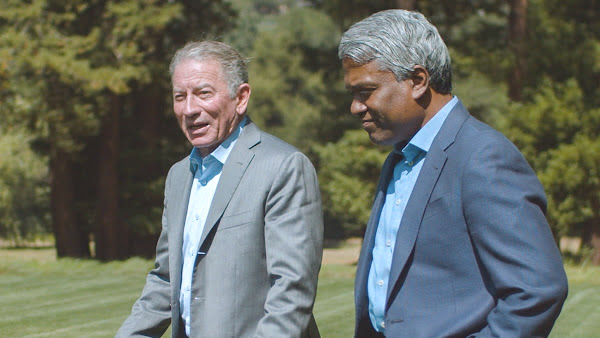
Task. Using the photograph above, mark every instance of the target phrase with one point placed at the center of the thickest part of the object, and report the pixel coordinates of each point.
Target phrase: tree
(559, 136)
(517, 43)
(347, 12)
(24, 210)
(406, 4)
(296, 79)
(31, 43)
(73, 67)
(568, 38)
(572, 181)
(348, 176)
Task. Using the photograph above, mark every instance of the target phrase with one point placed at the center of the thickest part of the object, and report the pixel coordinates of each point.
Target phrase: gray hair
(399, 40)
(234, 66)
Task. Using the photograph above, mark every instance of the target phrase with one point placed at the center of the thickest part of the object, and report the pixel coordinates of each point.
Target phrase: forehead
(356, 74)
(190, 71)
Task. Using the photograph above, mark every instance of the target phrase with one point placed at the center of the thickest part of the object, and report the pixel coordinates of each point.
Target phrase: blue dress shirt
(207, 172)
(399, 189)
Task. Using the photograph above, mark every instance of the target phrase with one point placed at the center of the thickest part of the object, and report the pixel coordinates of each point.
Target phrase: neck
(432, 102)
(439, 101)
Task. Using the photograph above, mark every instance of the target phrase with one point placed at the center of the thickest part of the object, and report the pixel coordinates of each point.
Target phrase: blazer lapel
(411, 220)
(366, 254)
(233, 171)
(430, 172)
(179, 199)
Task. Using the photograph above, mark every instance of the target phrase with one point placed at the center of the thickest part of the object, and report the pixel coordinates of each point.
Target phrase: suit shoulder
(479, 142)
(474, 125)
(274, 144)
(479, 134)
(271, 153)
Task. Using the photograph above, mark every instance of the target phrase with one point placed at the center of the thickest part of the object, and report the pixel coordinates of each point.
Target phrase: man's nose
(192, 107)
(357, 107)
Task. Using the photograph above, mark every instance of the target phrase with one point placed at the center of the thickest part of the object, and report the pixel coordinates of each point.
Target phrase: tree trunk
(591, 238)
(70, 240)
(595, 243)
(517, 38)
(149, 107)
(110, 236)
(406, 4)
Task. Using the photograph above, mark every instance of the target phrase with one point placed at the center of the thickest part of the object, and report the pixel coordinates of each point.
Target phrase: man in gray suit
(242, 229)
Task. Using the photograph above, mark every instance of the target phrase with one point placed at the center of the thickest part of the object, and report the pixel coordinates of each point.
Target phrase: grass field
(43, 297)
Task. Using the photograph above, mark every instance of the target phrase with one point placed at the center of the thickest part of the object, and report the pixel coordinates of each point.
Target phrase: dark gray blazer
(259, 255)
(474, 254)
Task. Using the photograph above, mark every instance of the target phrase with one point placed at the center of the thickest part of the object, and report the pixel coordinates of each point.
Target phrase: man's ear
(420, 80)
(242, 98)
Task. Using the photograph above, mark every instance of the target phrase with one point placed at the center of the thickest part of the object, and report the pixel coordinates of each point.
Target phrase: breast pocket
(438, 206)
(236, 220)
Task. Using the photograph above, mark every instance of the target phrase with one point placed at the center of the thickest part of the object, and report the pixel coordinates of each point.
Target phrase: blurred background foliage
(87, 133)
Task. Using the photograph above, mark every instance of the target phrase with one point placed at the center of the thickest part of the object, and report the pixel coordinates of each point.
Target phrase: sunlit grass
(45, 297)
(580, 316)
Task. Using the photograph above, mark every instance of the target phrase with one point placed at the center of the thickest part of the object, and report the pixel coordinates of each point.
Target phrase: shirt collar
(221, 153)
(424, 137)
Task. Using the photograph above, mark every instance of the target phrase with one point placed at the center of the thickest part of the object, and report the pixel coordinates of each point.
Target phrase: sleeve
(151, 313)
(294, 248)
(504, 207)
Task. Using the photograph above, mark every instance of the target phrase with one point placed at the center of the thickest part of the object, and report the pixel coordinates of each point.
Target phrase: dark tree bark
(595, 241)
(406, 4)
(517, 38)
(70, 240)
(110, 235)
(149, 105)
(591, 237)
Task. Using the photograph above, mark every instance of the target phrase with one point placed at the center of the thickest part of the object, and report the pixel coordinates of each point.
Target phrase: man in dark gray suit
(457, 244)
(242, 230)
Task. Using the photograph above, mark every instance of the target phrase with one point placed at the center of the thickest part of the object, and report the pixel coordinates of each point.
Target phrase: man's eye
(179, 97)
(363, 93)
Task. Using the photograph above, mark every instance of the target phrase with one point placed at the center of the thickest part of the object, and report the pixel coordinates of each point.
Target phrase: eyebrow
(200, 86)
(361, 85)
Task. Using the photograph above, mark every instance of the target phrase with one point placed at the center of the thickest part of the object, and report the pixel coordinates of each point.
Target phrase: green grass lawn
(42, 297)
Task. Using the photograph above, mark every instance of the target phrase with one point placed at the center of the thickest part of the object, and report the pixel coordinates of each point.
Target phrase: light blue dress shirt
(207, 172)
(399, 190)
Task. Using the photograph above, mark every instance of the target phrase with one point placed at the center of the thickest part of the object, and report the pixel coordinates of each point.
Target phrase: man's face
(204, 109)
(387, 108)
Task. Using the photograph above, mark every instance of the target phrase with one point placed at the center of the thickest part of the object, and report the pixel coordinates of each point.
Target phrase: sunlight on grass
(46, 297)
(580, 316)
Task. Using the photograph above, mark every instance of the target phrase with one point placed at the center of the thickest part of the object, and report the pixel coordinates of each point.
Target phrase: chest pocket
(438, 206)
(234, 221)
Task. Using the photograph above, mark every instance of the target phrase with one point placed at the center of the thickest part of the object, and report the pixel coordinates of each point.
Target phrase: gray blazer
(259, 255)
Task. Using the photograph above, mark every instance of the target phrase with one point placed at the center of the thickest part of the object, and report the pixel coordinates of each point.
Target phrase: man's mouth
(366, 123)
(198, 128)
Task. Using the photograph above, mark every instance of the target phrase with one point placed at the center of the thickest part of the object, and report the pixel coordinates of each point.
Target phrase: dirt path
(345, 253)
(341, 253)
